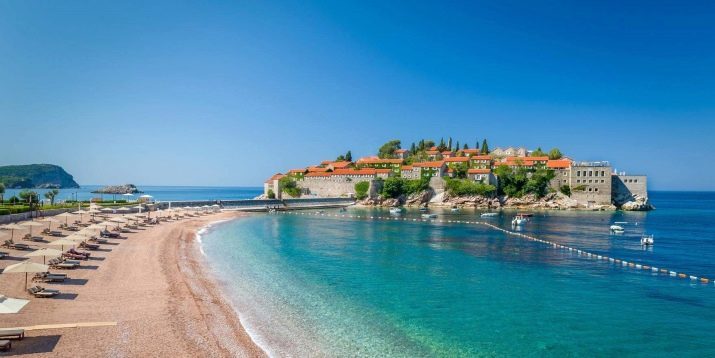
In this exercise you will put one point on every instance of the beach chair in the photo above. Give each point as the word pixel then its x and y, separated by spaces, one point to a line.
pixel 87 246
pixel 5 345
pixel 109 234
pixel 13 245
pixel 41 292
pixel 49 277
pixel 83 253
pixel 29 237
pixel 97 240
pixel 12 333
pixel 62 265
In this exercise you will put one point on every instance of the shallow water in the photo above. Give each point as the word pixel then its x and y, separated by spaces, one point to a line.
pixel 331 286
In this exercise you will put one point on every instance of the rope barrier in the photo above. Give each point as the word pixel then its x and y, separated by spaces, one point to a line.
pixel 582 253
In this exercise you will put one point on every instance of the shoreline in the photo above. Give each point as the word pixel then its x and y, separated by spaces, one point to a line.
pixel 146 294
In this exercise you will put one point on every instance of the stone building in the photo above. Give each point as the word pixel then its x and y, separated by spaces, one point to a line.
pixel 591 183
pixel 628 187
pixel 509 152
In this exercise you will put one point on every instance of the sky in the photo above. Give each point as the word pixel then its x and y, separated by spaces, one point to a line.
pixel 229 93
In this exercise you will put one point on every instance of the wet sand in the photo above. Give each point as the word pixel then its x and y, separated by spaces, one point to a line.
pixel 148 294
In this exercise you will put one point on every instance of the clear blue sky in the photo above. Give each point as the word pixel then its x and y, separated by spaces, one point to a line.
pixel 228 93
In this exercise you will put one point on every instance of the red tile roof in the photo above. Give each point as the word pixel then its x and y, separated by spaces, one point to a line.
pixel 433 152
pixel 317 170
pixel 429 164
pixel 433 148
pixel 406 167
pixel 401 151
pixel 456 159
pixel 276 176
pixel 481 157
pixel 479 171
pixel 470 151
pixel 296 171
pixel 383 171
pixel 447 152
pixel 341 164
pixel 558 164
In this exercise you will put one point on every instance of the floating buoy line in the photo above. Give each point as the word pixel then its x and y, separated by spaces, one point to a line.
pixel 582 253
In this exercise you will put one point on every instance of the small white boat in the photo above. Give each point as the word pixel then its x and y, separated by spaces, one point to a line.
pixel 647 240
pixel 455 209
pixel 519 220
pixel 423 209
pixel 616 228
pixel 621 222
pixel 429 216
pixel 395 210
pixel 489 215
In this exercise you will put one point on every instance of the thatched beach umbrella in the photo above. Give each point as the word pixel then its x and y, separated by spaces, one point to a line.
pixel 63 242
pixel 31 224
pixel 12 228
pixel 44 253
pixel 26 267
pixel 67 217
pixel 49 222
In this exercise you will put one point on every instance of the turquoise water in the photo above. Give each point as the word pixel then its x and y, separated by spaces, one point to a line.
pixel 160 193
pixel 345 287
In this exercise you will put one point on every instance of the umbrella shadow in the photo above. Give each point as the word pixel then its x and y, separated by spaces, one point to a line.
pixel 102 250
pixel 95 258
pixel 14 258
pixel 33 345
pixel 72 281
pixel 87 267
pixel 66 296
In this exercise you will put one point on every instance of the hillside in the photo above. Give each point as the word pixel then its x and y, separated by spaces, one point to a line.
pixel 36 176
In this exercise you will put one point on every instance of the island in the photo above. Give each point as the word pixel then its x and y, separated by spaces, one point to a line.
pixel 119 189
pixel 36 176
pixel 447 174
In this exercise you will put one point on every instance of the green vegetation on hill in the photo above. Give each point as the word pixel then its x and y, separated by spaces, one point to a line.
pixel 520 181
pixel 289 186
pixel 361 189
pixel 36 176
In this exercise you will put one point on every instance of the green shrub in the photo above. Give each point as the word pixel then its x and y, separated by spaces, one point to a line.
pixel 463 187
pixel 579 188
pixel 361 189
pixel 522 180
pixel 566 190
pixel 289 186
pixel 271 194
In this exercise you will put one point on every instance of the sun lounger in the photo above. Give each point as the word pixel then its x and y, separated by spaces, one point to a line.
pixel 13 245
pixel 52 232
pixel 87 246
pixel 3 254
pixel 105 233
pixel 12 333
pixel 83 253
pixel 29 237
pixel 49 277
pixel 98 240
pixel 41 292
pixel 62 265
pixel 74 256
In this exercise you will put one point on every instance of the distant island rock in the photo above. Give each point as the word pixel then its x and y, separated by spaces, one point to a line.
pixel 119 189
pixel 39 176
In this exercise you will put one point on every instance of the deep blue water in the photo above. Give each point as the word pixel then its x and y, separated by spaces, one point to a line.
pixel 307 285
pixel 160 193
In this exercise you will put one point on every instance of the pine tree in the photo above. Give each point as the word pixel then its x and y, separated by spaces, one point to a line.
pixel 449 144
pixel 441 147
pixel 485 147
pixel 349 156
pixel 456 147
pixel 476 146
pixel 422 145
pixel 466 146
pixel 412 147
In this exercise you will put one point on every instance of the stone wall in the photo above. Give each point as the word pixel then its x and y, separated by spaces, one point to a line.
pixel 596 181
pixel 628 187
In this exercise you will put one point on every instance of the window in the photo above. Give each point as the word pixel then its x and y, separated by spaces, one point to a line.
pixel 590 173
pixel 603 173
pixel 595 189
pixel 578 173
pixel 602 181
pixel 635 180
pixel 589 189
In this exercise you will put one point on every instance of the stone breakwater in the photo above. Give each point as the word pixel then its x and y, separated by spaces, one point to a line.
pixel 551 201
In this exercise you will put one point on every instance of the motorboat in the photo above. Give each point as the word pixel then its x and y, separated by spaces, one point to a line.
pixel 395 211
pixel 519 220
pixel 617 229
pixel 423 209
pixel 647 240
pixel 454 209
pixel 429 216
pixel 489 215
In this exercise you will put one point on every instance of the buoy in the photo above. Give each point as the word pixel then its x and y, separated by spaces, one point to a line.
pixel 704 280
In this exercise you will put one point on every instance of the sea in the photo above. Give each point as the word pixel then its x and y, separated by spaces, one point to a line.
pixel 159 193
pixel 319 285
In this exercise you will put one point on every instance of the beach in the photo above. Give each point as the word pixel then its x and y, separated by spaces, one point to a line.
pixel 148 294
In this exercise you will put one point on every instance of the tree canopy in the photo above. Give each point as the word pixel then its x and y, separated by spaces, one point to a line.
pixel 388 149
pixel 555 153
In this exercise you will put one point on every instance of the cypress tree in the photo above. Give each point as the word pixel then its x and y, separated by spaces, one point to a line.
pixel 449 144
pixel 466 146
pixel 349 156
pixel 485 147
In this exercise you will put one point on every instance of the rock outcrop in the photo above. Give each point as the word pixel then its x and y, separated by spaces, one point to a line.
pixel 637 203
pixel 119 189
pixel 42 176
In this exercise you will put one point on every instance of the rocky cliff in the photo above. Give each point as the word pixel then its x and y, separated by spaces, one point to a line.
pixel 43 176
